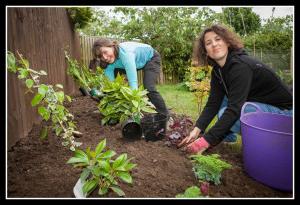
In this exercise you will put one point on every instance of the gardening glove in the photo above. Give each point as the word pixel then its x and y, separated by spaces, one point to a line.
pixel 192 137
pixel 198 146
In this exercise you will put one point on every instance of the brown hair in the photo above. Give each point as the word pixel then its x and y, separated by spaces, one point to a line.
pixel 200 57
pixel 104 42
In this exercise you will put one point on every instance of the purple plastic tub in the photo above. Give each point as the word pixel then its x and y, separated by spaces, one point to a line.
pixel 267 141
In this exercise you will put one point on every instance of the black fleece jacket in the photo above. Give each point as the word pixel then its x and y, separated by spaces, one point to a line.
pixel 241 79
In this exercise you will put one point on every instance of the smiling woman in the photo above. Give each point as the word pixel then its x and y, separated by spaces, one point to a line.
pixel 131 57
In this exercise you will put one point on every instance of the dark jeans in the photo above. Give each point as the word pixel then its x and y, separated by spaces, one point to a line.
pixel 151 73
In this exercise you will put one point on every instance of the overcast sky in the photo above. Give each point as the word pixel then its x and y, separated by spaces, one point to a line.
pixel 263 11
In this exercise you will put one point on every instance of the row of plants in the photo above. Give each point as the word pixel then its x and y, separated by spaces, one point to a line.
pixel 99 169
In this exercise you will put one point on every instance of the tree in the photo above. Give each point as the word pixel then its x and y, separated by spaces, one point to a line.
pixel 243 20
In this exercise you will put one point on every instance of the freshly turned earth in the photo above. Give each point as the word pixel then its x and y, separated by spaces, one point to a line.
pixel 38 168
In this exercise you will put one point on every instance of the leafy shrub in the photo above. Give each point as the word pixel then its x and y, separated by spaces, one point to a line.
pixel 208 168
pixel 100 170
pixel 120 102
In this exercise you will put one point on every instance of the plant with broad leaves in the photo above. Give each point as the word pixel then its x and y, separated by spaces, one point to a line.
pixel 100 170
pixel 191 192
pixel 121 103
pixel 208 168
pixel 49 99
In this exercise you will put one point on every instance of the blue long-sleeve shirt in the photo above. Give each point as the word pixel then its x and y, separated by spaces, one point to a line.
pixel 132 56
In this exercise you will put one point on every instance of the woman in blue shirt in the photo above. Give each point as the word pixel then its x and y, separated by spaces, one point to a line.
pixel 131 57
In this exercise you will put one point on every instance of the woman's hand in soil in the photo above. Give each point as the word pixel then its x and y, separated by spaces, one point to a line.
pixel 192 137
pixel 198 146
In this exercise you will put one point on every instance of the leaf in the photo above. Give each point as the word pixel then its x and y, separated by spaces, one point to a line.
pixel 107 154
pixel 100 147
pixel 129 166
pixel 44 113
pixel 135 103
pixel 102 190
pixel 125 176
pixel 148 110
pixel 42 72
pixel 43 89
pixel 79 156
pixel 89 186
pixel 11 62
pixel 60 96
pixel 69 98
pixel 59 86
pixel 36 99
pixel 119 161
pixel 117 190
pixel 29 83
pixel 44 133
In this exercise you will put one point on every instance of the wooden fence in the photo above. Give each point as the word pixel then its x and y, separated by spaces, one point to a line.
pixel 41 35
pixel 86 43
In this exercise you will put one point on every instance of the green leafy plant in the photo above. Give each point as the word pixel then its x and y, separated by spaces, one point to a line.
pixel 100 170
pixel 208 168
pixel 198 81
pixel 84 77
pixel 121 103
pixel 48 98
pixel 191 192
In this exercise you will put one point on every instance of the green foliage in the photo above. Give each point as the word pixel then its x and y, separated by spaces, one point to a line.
pixel 197 79
pixel 191 192
pixel 285 77
pixel 208 168
pixel 100 170
pixel 85 77
pixel 243 20
pixel 172 31
pixel 80 16
pixel 48 98
pixel 120 102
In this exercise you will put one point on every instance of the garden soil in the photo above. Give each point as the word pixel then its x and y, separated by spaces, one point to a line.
pixel 37 168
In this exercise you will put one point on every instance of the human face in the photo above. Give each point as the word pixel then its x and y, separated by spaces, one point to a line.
pixel 107 54
pixel 216 47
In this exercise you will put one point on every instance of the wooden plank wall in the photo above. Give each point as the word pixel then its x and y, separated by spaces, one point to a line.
pixel 86 43
pixel 41 35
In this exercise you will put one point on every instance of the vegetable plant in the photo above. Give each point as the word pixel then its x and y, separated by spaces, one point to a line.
pixel 100 170
pixel 121 103
pixel 48 98
pixel 191 192
pixel 208 168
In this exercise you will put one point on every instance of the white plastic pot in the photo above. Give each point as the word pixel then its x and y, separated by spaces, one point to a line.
pixel 77 190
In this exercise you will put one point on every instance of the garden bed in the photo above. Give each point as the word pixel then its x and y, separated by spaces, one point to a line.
pixel 38 168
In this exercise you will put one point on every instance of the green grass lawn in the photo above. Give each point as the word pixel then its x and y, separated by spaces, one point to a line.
pixel 179 100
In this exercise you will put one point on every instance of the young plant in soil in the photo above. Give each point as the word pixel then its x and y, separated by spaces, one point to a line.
pixel 121 103
pixel 208 168
pixel 178 129
pixel 100 170
pixel 84 77
pixel 191 192
pixel 49 100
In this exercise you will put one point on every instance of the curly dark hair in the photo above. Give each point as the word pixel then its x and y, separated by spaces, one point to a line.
pixel 200 57
pixel 104 42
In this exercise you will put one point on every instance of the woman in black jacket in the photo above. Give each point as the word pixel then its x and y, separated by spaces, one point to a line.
pixel 235 79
